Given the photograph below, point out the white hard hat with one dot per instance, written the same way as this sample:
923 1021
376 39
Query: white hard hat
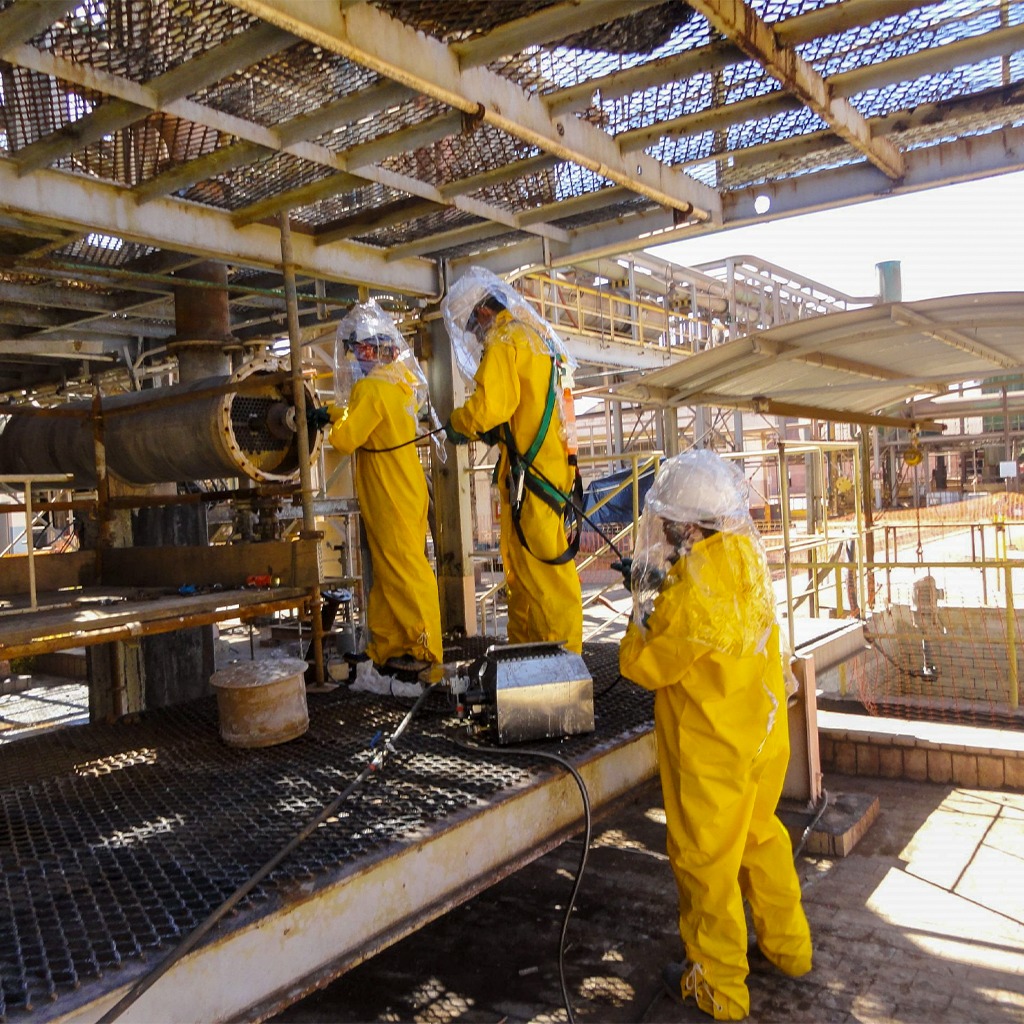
368 324
475 287
700 487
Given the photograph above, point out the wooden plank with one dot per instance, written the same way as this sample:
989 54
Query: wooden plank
88 621
53 572
294 563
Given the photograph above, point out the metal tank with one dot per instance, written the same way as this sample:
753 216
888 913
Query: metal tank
236 425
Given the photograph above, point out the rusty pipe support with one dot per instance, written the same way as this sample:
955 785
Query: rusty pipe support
302 430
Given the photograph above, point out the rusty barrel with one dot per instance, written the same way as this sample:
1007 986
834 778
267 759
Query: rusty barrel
260 703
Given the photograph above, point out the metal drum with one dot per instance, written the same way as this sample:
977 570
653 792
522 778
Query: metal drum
261 703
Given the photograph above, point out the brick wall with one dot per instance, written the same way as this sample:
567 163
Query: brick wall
948 755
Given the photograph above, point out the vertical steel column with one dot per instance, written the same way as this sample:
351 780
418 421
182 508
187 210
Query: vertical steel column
453 504
309 530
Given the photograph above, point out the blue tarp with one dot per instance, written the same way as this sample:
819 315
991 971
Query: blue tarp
620 508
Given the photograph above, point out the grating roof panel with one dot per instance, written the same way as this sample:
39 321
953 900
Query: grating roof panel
421 227
252 182
348 204
36 105
140 41
463 20
462 155
295 81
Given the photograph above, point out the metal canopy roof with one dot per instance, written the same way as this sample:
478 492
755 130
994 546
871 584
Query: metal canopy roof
141 135
849 366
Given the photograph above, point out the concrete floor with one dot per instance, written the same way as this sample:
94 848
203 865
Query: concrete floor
923 921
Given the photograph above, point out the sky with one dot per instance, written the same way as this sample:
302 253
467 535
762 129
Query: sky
953 240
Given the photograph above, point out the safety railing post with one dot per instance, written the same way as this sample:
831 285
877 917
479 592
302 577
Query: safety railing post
1011 637
984 567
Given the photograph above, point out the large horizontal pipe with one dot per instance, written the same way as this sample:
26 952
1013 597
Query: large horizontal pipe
235 426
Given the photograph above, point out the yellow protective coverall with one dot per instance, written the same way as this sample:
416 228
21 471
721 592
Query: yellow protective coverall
403 610
545 602
723 750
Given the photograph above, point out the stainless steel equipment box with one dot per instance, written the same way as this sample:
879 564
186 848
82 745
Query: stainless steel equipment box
536 691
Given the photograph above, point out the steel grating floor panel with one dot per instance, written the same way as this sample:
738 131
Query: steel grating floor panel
119 839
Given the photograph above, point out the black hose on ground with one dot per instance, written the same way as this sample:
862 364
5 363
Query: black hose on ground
462 741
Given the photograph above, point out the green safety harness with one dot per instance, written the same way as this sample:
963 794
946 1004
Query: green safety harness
524 476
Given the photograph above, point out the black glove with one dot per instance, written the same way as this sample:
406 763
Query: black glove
625 566
453 435
317 418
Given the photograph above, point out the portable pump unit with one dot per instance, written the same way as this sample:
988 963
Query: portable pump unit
530 691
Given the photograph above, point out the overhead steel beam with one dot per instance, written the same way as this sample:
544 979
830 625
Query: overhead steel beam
498 175
465 234
622 355
814 357
576 206
468 233
217 161
845 84
833 19
708 120
721 54
50 327
64 298
75 203
296 198
955 407
948 163
544 26
345 110
608 238
21 22
755 37
994 101
375 218
616 84
241 51
136 318
101 81
368 36
938 384
769 407
404 140
78 348
933 60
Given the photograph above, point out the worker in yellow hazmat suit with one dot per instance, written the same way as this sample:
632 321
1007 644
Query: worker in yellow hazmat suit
704 638
380 388
513 359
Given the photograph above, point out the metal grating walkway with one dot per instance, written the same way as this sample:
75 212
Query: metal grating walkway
117 840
